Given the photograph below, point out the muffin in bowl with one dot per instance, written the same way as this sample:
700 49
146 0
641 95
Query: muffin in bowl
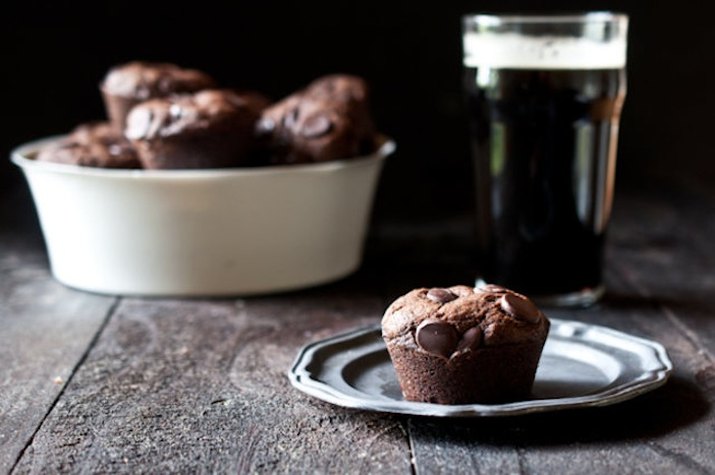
209 129
327 120
206 214
92 145
460 345
129 84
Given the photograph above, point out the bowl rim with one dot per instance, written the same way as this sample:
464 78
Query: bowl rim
22 156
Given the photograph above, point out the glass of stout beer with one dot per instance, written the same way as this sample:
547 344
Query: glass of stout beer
544 97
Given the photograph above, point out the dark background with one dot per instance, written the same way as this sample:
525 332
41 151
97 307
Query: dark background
55 56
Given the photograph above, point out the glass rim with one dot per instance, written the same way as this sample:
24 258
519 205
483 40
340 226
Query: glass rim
485 19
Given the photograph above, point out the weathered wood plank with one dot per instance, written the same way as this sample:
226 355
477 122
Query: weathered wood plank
664 245
201 386
45 329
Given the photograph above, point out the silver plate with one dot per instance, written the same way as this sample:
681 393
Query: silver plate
581 366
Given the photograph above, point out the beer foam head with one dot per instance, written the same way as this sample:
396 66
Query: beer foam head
516 51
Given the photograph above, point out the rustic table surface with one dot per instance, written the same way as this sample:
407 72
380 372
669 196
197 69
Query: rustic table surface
92 383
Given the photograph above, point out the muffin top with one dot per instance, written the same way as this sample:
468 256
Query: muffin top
327 120
338 87
143 80
304 130
205 110
92 145
447 321
349 96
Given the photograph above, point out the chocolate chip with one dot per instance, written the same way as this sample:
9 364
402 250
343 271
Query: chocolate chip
316 126
115 150
175 111
139 123
492 289
237 101
265 126
471 339
290 119
437 338
440 295
520 308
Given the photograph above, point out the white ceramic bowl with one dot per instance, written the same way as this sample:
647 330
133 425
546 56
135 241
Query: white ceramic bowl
202 232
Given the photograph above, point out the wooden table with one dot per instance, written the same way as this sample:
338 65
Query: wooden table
92 383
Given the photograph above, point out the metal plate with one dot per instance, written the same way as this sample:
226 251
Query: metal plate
581 366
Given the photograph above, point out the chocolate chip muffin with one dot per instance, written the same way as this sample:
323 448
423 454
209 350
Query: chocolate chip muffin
328 120
92 145
461 345
129 84
349 95
209 129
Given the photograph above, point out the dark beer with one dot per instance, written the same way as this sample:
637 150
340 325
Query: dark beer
544 143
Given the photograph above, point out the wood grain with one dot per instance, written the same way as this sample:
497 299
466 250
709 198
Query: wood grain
201 386
664 245
45 330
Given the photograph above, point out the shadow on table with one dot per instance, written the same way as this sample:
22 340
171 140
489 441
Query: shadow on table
677 404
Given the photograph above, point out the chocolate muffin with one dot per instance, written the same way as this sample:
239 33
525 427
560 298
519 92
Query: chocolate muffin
328 120
129 84
92 145
461 345
349 95
209 129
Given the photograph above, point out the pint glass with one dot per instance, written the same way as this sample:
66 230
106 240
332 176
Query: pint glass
544 97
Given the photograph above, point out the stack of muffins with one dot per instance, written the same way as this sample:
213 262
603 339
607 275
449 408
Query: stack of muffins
164 117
